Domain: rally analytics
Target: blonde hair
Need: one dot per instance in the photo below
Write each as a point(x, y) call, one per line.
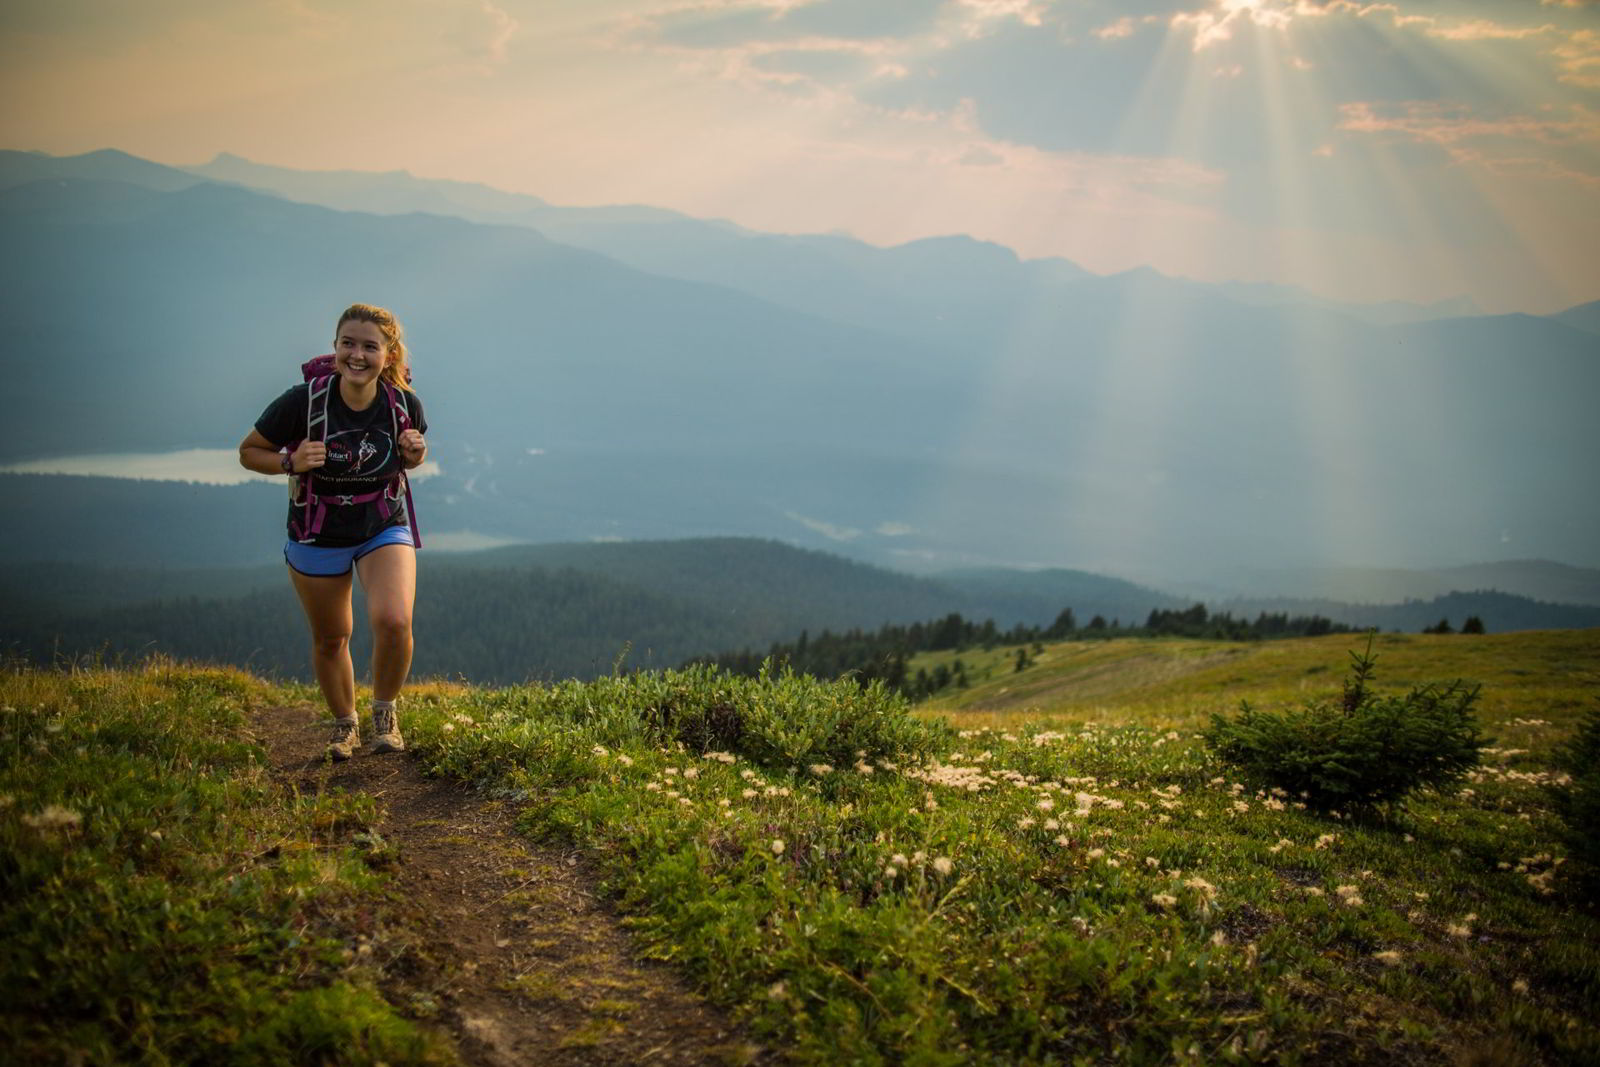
point(397, 367)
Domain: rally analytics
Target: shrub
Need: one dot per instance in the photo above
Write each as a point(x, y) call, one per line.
point(778, 720)
point(1578, 802)
point(1367, 750)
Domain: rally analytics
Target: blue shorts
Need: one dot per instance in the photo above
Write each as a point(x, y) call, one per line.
point(321, 562)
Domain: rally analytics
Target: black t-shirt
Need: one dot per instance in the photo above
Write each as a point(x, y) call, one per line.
point(362, 458)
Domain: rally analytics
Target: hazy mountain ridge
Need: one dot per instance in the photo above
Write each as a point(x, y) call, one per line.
point(1114, 424)
point(894, 288)
point(1541, 580)
point(553, 611)
point(1584, 317)
point(1500, 612)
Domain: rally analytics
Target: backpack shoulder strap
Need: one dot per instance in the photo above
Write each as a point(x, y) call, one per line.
point(302, 487)
point(400, 414)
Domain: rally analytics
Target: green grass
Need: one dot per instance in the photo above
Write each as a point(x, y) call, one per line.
point(1178, 683)
point(1093, 889)
point(161, 901)
point(1056, 873)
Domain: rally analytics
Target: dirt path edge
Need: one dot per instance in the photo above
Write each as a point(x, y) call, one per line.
point(507, 947)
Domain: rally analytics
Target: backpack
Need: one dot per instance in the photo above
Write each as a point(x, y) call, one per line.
point(321, 378)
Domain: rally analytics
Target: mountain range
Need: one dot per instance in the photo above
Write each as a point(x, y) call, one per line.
point(630, 373)
point(577, 610)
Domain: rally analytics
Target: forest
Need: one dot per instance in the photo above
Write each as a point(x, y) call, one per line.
point(885, 654)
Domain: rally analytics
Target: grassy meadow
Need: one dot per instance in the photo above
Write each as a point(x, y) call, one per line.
point(1045, 867)
point(162, 901)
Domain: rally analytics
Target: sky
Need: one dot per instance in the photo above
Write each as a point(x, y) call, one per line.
point(1419, 150)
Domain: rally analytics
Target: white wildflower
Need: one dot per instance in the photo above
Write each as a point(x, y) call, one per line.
point(54, 817)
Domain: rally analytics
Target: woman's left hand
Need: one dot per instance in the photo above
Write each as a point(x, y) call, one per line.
point(413, 449)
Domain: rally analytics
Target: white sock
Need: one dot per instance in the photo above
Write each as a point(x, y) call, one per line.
point(382, 705)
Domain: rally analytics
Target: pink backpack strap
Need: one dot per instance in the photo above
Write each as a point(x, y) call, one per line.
point(402, 423)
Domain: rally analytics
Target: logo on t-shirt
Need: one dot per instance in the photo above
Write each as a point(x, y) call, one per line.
point(358, 453)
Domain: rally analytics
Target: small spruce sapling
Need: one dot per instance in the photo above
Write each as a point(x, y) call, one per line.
point(1577, 802)
point(1365, 751)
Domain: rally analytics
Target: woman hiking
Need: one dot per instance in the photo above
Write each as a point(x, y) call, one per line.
point(347, 436)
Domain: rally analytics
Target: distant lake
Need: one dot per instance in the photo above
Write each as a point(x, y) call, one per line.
point(209, 466)
point(220, 466)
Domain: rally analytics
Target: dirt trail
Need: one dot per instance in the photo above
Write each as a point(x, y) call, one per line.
point(503, 943)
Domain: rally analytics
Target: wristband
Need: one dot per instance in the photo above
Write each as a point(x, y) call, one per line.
point(287, 463)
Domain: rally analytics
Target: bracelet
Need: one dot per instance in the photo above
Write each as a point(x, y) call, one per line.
point(287, 463)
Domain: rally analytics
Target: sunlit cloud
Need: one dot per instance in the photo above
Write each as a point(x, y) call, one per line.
point(1218, 24)
point(1498, 143)
point(1027, 12)
point(502, 28)
point(1113, 132)
point(1579, 58)
point(1126, 26)
point(826, 529)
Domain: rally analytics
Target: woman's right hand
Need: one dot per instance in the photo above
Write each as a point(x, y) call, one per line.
point(309, 456)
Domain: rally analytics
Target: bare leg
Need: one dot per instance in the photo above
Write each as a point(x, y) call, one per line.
point(389, 576)
point(326, 601)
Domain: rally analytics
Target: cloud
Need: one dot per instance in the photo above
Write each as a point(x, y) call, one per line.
point(1579, 58)
point(826, 529)
point(1551, 147)
point(1126, 26)
point(1213, 26)
point(501, 28)
point(731, 25)
point(1027, 12)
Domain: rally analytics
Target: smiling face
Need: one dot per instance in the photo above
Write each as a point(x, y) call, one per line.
point(359, 352)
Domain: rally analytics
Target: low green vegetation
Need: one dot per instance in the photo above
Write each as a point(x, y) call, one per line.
point(887, 654)
point(1069, 876)
point(161, 900)
point(1092, 888)
point(1362, 752)
point(1577, 801)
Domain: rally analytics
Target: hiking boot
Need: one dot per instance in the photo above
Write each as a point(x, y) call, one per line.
point(345, 740)
point(386, 731)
